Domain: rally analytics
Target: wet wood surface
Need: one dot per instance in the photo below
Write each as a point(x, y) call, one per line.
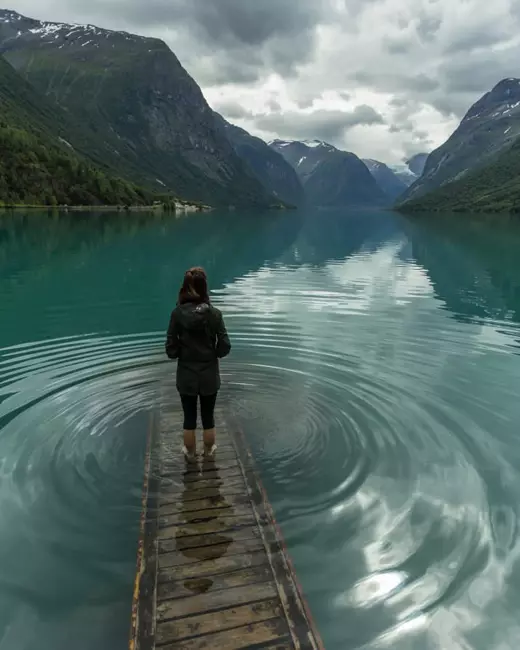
point(214, 573)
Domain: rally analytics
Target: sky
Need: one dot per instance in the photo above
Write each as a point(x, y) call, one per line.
point(383, 78)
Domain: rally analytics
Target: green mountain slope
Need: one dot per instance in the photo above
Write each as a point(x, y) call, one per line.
point(135, 108)
point(493, 188)
point(490, 127)
point(38, 166)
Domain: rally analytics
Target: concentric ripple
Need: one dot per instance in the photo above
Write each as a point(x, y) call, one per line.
point(74, 414)
point(375, 372)
point(377, 434)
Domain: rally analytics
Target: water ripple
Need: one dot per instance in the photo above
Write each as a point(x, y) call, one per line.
point(74, 413)
point(370, 423)
point(383, 422)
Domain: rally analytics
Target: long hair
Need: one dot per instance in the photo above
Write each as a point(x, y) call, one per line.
point(194, 287)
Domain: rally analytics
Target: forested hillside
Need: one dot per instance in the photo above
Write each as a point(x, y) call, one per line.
point(38, 166)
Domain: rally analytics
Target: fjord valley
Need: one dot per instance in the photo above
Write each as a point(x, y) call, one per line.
point(353, 172)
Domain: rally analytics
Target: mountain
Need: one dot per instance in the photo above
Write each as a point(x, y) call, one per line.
point(490, 126)
point(135, 108)
point(40, 167)
point(387, 180)
point(492, 188)
point(417, 163)
point(271, 169)
point(410, 170)
point(330, 177)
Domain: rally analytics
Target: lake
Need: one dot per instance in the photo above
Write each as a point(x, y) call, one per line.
point(375, 372)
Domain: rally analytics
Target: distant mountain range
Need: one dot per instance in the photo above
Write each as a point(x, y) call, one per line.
point(388, 180)
point(330, 177)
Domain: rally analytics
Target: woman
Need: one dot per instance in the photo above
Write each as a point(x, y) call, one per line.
point(197, 337)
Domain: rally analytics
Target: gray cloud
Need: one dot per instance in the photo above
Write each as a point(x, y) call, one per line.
point(305, 102)
point(274, 106)
point(232, 110)
point(422, 83)
point(478, 38)
point(427, 27)
point(249, 21)
point(246, 21)
point(244, 38)
point(329, 126)
point(397, 45)
point(417, 146)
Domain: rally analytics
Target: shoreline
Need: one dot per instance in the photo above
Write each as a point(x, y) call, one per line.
point(174, 207)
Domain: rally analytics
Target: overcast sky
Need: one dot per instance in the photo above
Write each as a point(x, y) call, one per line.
point(382, 78)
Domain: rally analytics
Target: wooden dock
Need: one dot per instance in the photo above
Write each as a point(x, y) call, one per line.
point(212, 569)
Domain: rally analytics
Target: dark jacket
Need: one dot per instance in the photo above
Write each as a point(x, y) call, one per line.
point(197, 337)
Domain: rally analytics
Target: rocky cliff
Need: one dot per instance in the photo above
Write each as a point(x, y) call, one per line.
point(271, 169)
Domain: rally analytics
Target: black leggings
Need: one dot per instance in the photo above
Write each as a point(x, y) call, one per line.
point(207, 411)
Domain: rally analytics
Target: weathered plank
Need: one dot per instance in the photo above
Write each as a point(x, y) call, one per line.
point(174, 469)
point(171, 486)
point(218, 525)
point(183, 544)
point(170, 494)
point(197, 476)
point(200, 554)
point(202, 603)
point(174, 631)
point(212, 566)
point(236, 638)
point(216, 503)
point(219, 581)
point(169, 589)
point(194, 516)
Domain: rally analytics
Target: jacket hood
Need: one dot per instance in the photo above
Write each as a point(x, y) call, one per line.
point(195, 315)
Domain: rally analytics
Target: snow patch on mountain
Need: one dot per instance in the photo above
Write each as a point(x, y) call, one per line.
point(314, 143)
point(9, 16)
point(52, 30)
point(372, 165)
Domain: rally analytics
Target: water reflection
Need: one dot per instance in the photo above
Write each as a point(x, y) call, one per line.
point(89, 263)
point(480, 253)
point(378, 392)
point(210, 510)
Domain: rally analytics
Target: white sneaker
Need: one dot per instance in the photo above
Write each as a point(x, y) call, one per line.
point(188, 455)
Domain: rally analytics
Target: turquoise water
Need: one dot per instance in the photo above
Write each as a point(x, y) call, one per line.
point(375, 372)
